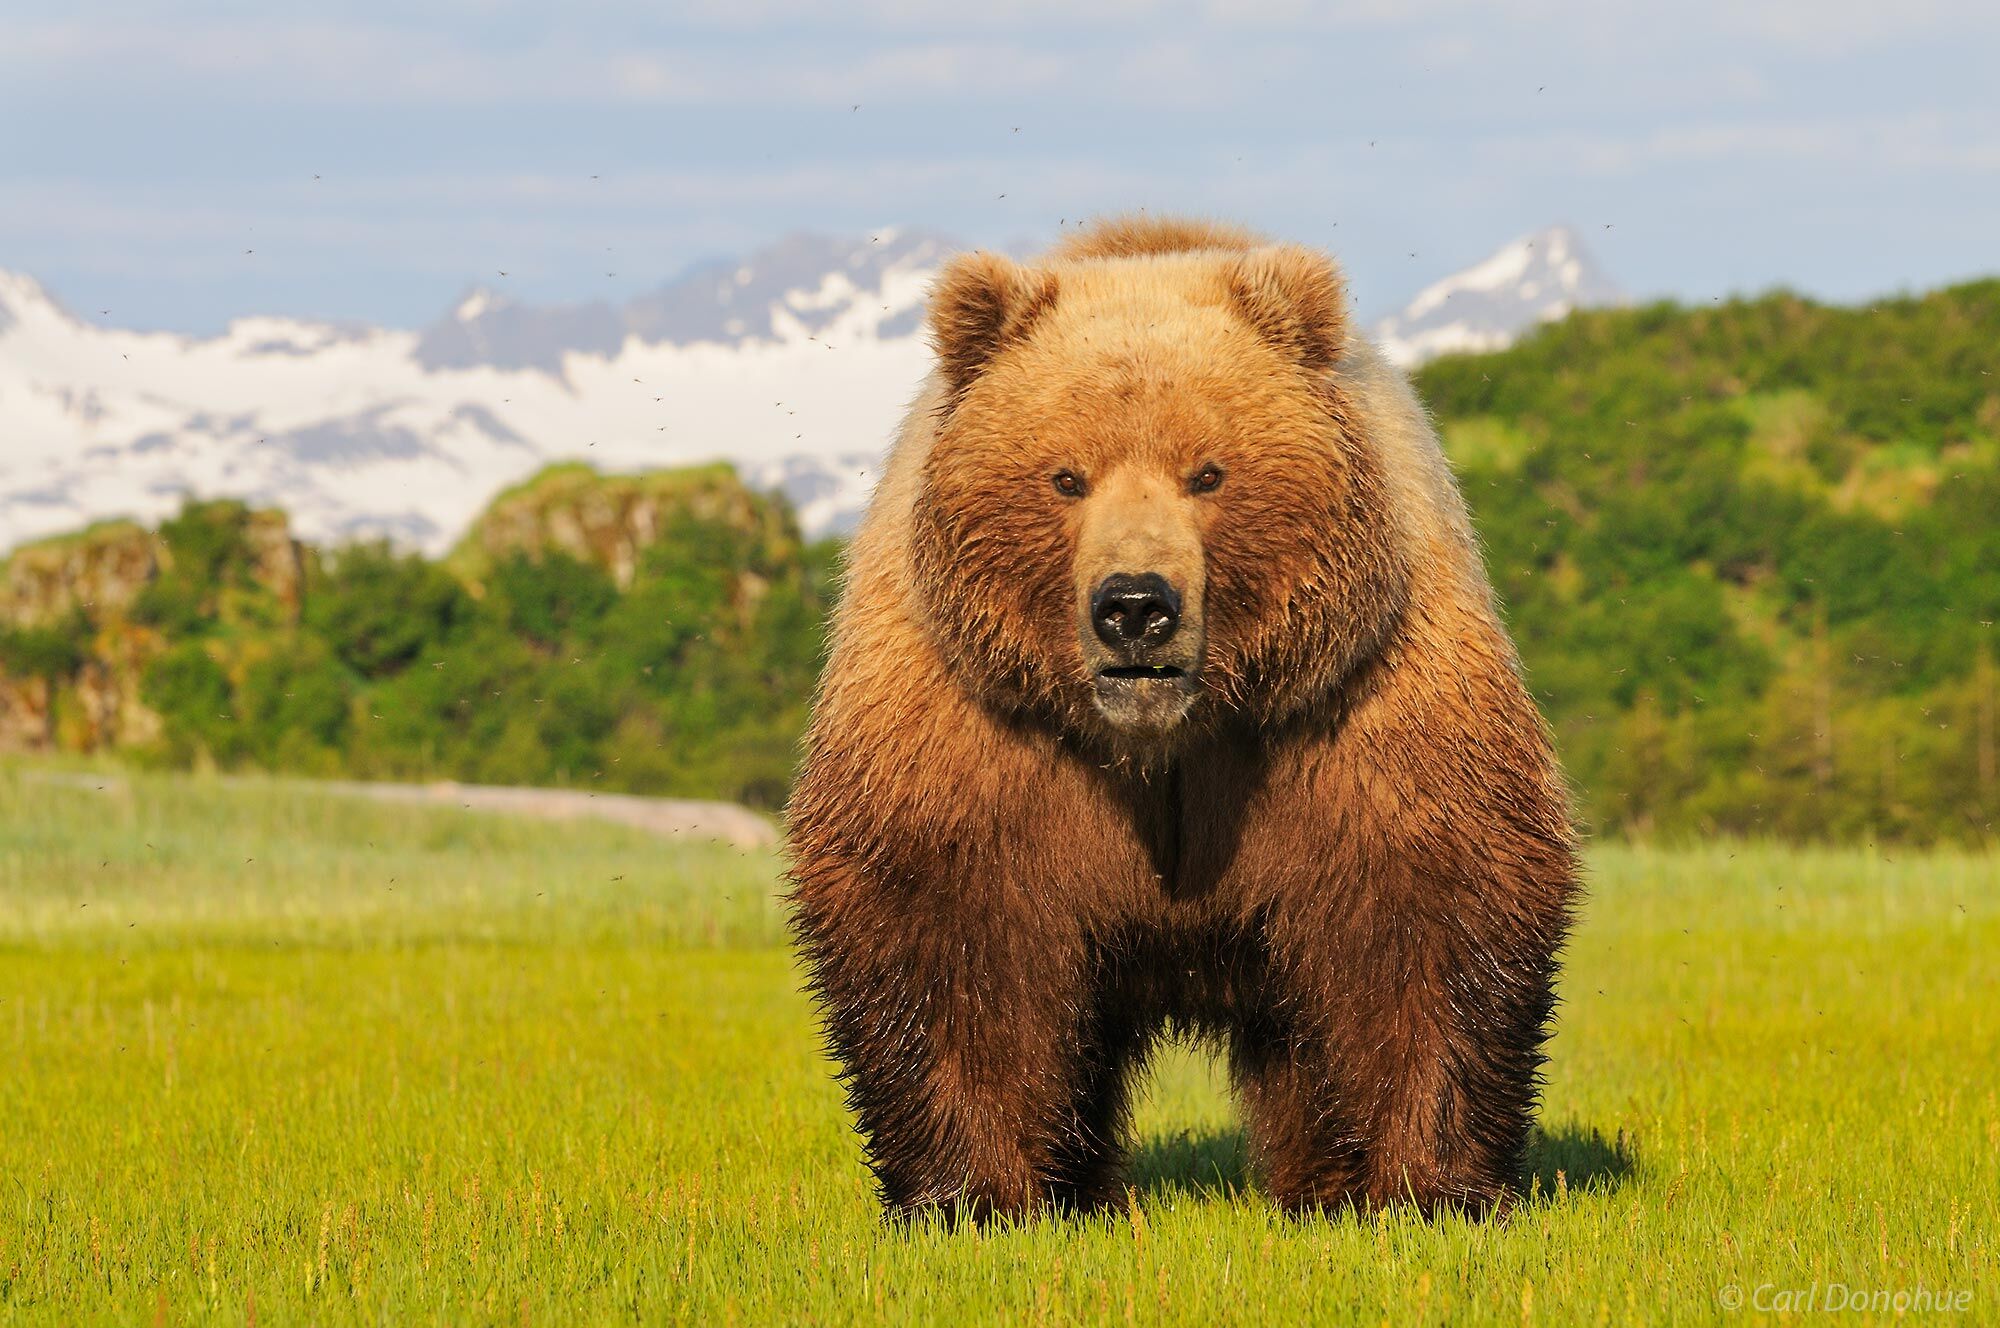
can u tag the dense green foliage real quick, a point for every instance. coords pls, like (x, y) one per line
(1752, 556)
(278, 1057)
(209, 573)
(54, 652)
(692, 681)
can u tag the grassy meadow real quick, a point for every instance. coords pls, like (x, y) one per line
(270, 1056)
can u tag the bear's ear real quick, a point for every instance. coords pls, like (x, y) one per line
(1295, 299)
(981, 303)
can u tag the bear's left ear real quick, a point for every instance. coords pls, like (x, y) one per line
(1294, 297)
(980, 304)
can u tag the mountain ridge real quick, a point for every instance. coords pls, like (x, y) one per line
(792, 363)
(1746, 551)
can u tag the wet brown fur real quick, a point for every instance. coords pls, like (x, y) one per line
(1352, 864)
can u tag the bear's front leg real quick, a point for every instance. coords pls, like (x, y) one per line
(1410, 928)
(1445, 1061)
(1417, 1015)
(977, 1074)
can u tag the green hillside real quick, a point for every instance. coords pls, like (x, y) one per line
(1752, 556)
(655, 633)
(1751, 553)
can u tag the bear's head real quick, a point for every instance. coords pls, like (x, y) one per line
(1148, 503)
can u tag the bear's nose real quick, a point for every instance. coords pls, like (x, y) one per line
(1131, 611)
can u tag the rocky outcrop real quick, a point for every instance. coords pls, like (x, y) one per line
(84, 627)
(99, 570)
(73, 610)
(611, 520)
(25, 721)
(276, 561)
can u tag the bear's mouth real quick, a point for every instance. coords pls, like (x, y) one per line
(1155, 672)
(1145, 700)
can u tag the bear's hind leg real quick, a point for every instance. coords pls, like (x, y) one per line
(1090, 1151)
(1306, 1152)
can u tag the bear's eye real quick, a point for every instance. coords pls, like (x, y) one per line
(1068, 484)
(1206, 480)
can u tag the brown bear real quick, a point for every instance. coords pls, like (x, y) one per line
(1167, 694)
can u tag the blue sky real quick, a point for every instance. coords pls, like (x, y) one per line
(181, 164)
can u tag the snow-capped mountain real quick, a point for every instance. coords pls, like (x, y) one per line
(806, 349)
(794, 363)
(1536, 279)
(800, 288)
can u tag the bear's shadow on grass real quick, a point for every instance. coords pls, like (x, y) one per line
(1201, 1164)
(1566, 1159)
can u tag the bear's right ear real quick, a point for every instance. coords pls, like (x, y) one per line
(980, 304)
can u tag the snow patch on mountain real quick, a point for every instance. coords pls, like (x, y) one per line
(1536, 279)
(408, 434)
(794, 363)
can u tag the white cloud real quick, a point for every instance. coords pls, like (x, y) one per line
(1184, 52)
(359, 64)
(1889, 143)
(161, 133)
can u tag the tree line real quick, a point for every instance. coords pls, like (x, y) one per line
(1750, 554)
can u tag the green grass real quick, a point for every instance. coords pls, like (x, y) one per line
(562, 1073)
